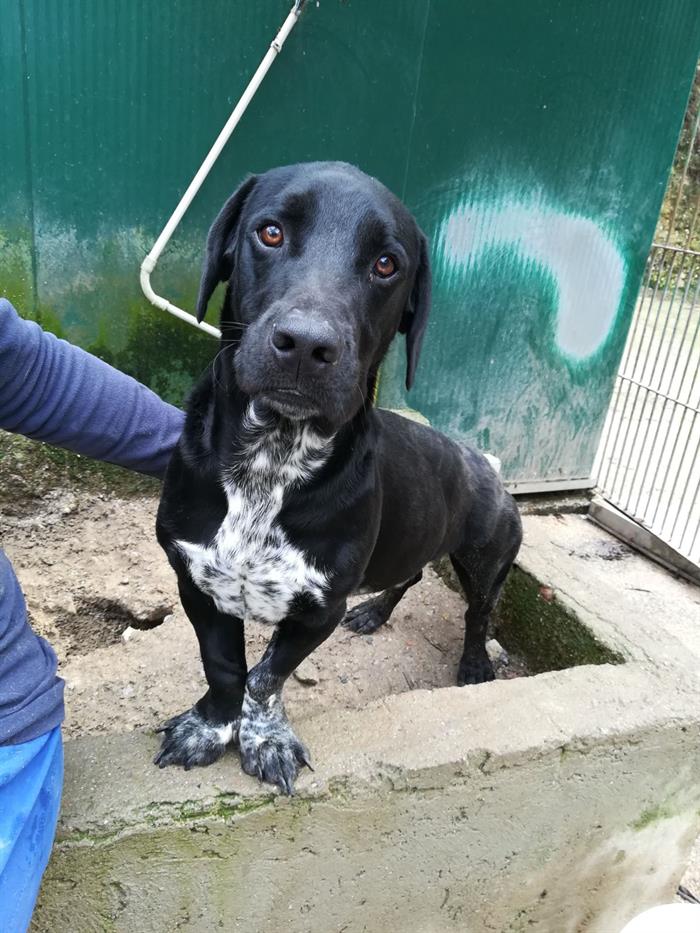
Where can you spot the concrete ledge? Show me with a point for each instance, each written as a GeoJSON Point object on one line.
{"type": "Point", "coordinates": [563, 802]}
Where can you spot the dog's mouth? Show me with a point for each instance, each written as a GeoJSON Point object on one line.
{"type": "Point", "coordinates": [291, 403]}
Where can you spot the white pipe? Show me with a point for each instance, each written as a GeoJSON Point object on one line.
{"type": "Point", "coordinates": [149, 263]}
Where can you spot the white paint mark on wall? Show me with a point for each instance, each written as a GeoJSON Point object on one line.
{"type": "Point", "coordinates": [584, 263]}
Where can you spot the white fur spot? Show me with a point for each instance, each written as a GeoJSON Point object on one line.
{"type": "Point", "coordinates": [225, 733]}
{"type": "Point", "coordinates": [262, 721]}
{"type": "Point", "coordinates": [250, 569]}
{"type": "Point", "coordinates": [260, 462]}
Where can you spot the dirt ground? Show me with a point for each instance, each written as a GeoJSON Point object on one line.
{"type": "Point", "coordinates": [98, 588]}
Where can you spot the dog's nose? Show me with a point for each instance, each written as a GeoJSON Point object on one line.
{"type": "Point", "coordinates": [306, 345]}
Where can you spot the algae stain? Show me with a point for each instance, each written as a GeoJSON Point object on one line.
{"type": "Point", "coordinates": [163, 353]}
{"type": "Point", "coordinates": [50, 321]}
{"type": "Point", "coordinates": [224, 808]}
{"type": "Point", "coordinates": [548, 634]}
{"type": "Point", "coordinates": [652, 815]}
{"type": "Point", "coordinates": [16, 279]}
{"type": "Point", "coordinates": [163, 814]}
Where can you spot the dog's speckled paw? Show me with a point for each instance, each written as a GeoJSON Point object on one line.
{"type": "Point", "coordinates": [190, 741]}
{"type": "Point", "coordinates": [270, 750]}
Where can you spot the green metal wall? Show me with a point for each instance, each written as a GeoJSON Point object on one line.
{"type": "Point", "coordinates": [533, 141]}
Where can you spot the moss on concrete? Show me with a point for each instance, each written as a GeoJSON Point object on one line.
{"type": "Point", "coordinates": [533, 622]}
{"type": "Point", "coordinates": [224, 807]}
{"type": "Point", "coordinates": [652, 815]}
{"type": "Point", "coordinates": [29, 470]}
{"type": "Point", "coordinates": [537, 626]}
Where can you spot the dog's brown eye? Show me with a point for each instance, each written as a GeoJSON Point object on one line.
{"type": "Point", "coordinates": [385, 266]}
{"type": "Point", "coordinates": [271, 235]}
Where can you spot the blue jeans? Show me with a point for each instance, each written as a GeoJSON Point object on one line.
{"type": "Point", "coordinates": [31, 778]}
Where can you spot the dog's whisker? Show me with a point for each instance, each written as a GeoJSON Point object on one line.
{"type": "Point", "coordinates": [214, 363]}
{"type": "Point", "coordinates": [363, 403]}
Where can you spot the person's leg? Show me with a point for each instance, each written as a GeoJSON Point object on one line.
{"type": "Point", "coordinates": [31, 778]}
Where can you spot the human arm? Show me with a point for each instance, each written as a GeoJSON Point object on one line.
{"type": "Point", "coordinates": [53, 391]}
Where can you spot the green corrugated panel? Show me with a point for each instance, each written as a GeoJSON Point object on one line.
{"type": "Point", "coordinates": [16, 227]}
{"type": "Point", "coordinates": [543, 139]}
{"type": "Point", "coordinates": [533, 141]}
{"type": "Point", "coordinates": [125, 98]}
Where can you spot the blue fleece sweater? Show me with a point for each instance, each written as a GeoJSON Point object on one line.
{"type": "Point", "coordinates": [55, 392]}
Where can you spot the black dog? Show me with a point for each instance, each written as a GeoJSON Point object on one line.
{"type": "Point", "coordinates": [289, 492]}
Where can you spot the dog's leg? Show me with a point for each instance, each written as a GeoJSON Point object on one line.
{"type": "Point", "coordinates": [482, 572]}
{"type": "Point", "coordinates": [481, 591]}
{"type": "Point", "coordinates": [370, 615]}
{"type": "Point", "coordinates": [200, 735]}
{"type": "Point", "coordinates": [269, 748]}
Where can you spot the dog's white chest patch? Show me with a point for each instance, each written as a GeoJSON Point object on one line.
{"type": "Point", "coordinates": [250, 569]}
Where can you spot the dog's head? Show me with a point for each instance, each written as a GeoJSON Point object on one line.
{"type": "Point", "coordinates": [324, 265]}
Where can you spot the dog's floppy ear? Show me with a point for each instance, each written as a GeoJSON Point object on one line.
{"type": "Point", "coordinates": [415, 317]}
{"type": "Point", "coordinates": [218, 261]}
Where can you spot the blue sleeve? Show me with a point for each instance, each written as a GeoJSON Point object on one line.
{"type": "Point", "coordinates": [53, 391]}
{"type": "Point", "coordinates": [31, 695]}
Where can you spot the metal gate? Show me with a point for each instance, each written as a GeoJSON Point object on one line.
{"type": "Point", "coordinates": [648, 463]}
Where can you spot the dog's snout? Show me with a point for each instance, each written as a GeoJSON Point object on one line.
{"type": "Point", "coordinates": [300, 343]}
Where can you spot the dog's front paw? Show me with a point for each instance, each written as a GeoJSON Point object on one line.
{"type": "Point", "coordinates": [475, 669]}
{"type": "Point", "coordinates": [269, 748]}
{"type": "Point", "coordinates": [189, 740]}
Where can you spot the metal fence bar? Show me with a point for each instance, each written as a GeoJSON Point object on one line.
{"type": "Point", "coordinates": [607, 482]}
{"type": "Point", "coordinates": [607, 427]}
{"type": "Point", "coordinates": [691, 550]}
{"type": "Point", "coordinates": [687, 521]}
{"type": "Point", "coordinates": [648, 462]}
{"type": "Point", "coordinates": [685, 405]}
{"type": "Point", "coordinates": [677, 249]}
{"type": "Point", "coordinates": [636, 323]}
{"type": "Point", "coordinates": [657, 395]}
{"type": "Point", "coordinates": [614, 486]}
{"type": "Point", "coordinates": [663, 395]}
{"type": "Point", "coordinates": [696, 458]}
